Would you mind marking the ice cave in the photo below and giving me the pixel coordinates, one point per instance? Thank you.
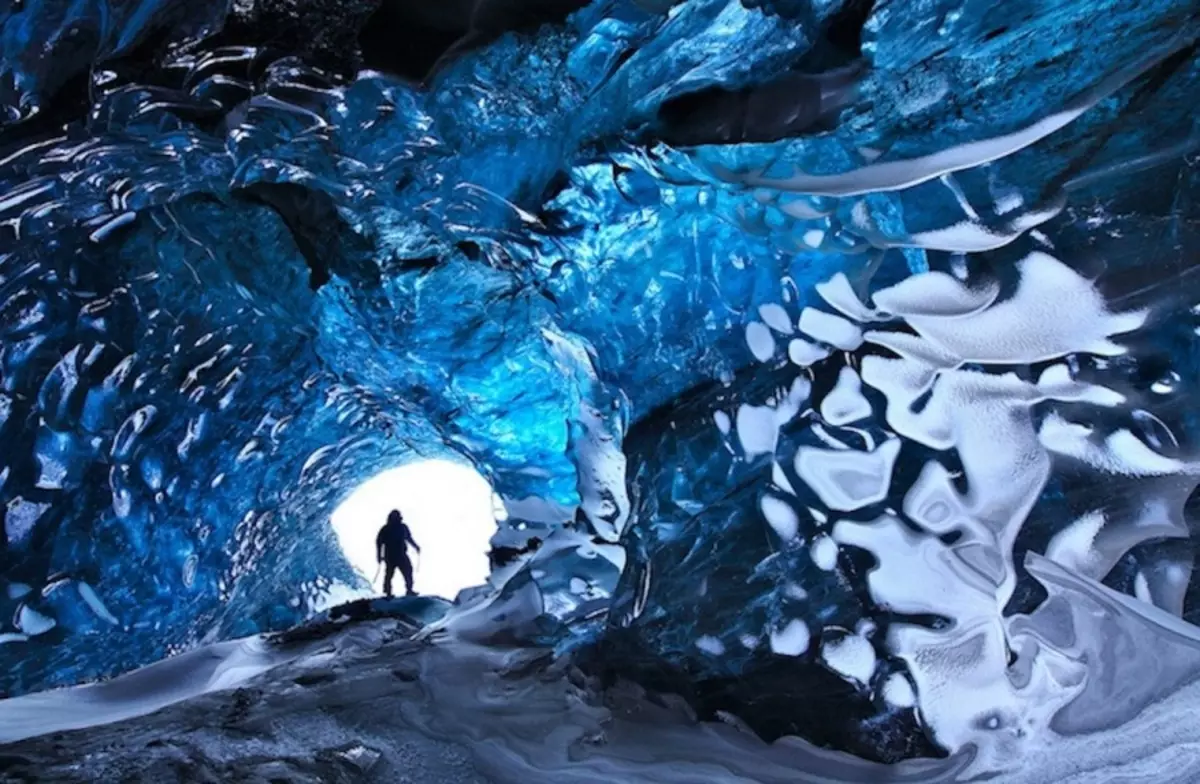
(453, 514)
(778, 390)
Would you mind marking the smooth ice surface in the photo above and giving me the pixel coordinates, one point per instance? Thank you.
(848, 479)
(221, 666)
(791, 640)
(851, 656)
(831, 329)
(845, 403)
(761, 343)
(824, 553)
(781, 517)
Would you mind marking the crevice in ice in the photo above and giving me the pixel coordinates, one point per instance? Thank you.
(896, 175)
(788, 106)
(406, 38)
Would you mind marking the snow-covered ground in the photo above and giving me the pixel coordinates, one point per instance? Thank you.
(363, 701)
(213, 668)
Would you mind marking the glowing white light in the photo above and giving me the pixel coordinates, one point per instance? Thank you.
(450, 510)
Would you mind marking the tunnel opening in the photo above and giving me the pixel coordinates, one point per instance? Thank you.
(451, 510)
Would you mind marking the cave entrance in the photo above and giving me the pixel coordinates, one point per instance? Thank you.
(451, 511)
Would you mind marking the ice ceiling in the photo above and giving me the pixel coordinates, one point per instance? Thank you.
(839, 352)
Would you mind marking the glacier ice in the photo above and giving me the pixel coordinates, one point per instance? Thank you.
(821, 427)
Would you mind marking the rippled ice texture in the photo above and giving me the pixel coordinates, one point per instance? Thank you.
(880, 434)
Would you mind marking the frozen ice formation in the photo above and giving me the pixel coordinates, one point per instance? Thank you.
(871, 396)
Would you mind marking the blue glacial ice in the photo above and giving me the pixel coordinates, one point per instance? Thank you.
(828, 417)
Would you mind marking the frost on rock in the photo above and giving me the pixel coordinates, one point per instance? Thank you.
(871, 396)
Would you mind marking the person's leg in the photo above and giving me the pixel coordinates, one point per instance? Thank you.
(389, 570)
(406, 570)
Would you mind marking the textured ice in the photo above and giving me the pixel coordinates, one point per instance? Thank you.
(845, 402)
(851, 656)
(830, 329)
(781, 517)
(805, 353)
(760, 340)
(848, 479)
(791, 640)
(824, 553)
(878, 432)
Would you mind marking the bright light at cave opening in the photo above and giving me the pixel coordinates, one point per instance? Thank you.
(449, 507)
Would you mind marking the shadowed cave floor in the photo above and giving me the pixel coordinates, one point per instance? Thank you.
(359, 700)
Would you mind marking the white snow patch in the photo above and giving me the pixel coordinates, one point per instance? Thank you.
(935, 294)
(838, 292)
(898, 691)
(757, 429)
(831, 329)
(803, 353)
(974, 237)
(1141, 588)
(32, 622)
(845, 403)
(711, 645)
(1121, 453)
(932, 501)
(1072, 547)
(791, 640)
(846, 480)
(824, 553)
(758, 426)
(760, 341)
(781, 517)
(852, 657)
(776, 318)
(780, 479)
(983, 328)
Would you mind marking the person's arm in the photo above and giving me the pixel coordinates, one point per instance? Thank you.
(379, 546)
(413, 542)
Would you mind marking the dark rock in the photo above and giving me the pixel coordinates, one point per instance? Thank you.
(314, 677)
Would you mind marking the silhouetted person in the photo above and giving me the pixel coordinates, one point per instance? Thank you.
(392, 548)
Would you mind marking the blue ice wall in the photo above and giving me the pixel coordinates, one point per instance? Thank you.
(44, 46)
(236, 286)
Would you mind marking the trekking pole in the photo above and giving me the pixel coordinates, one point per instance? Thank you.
(378, 566)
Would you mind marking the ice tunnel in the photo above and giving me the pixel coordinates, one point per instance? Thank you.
(451, 511)
(828, 364)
